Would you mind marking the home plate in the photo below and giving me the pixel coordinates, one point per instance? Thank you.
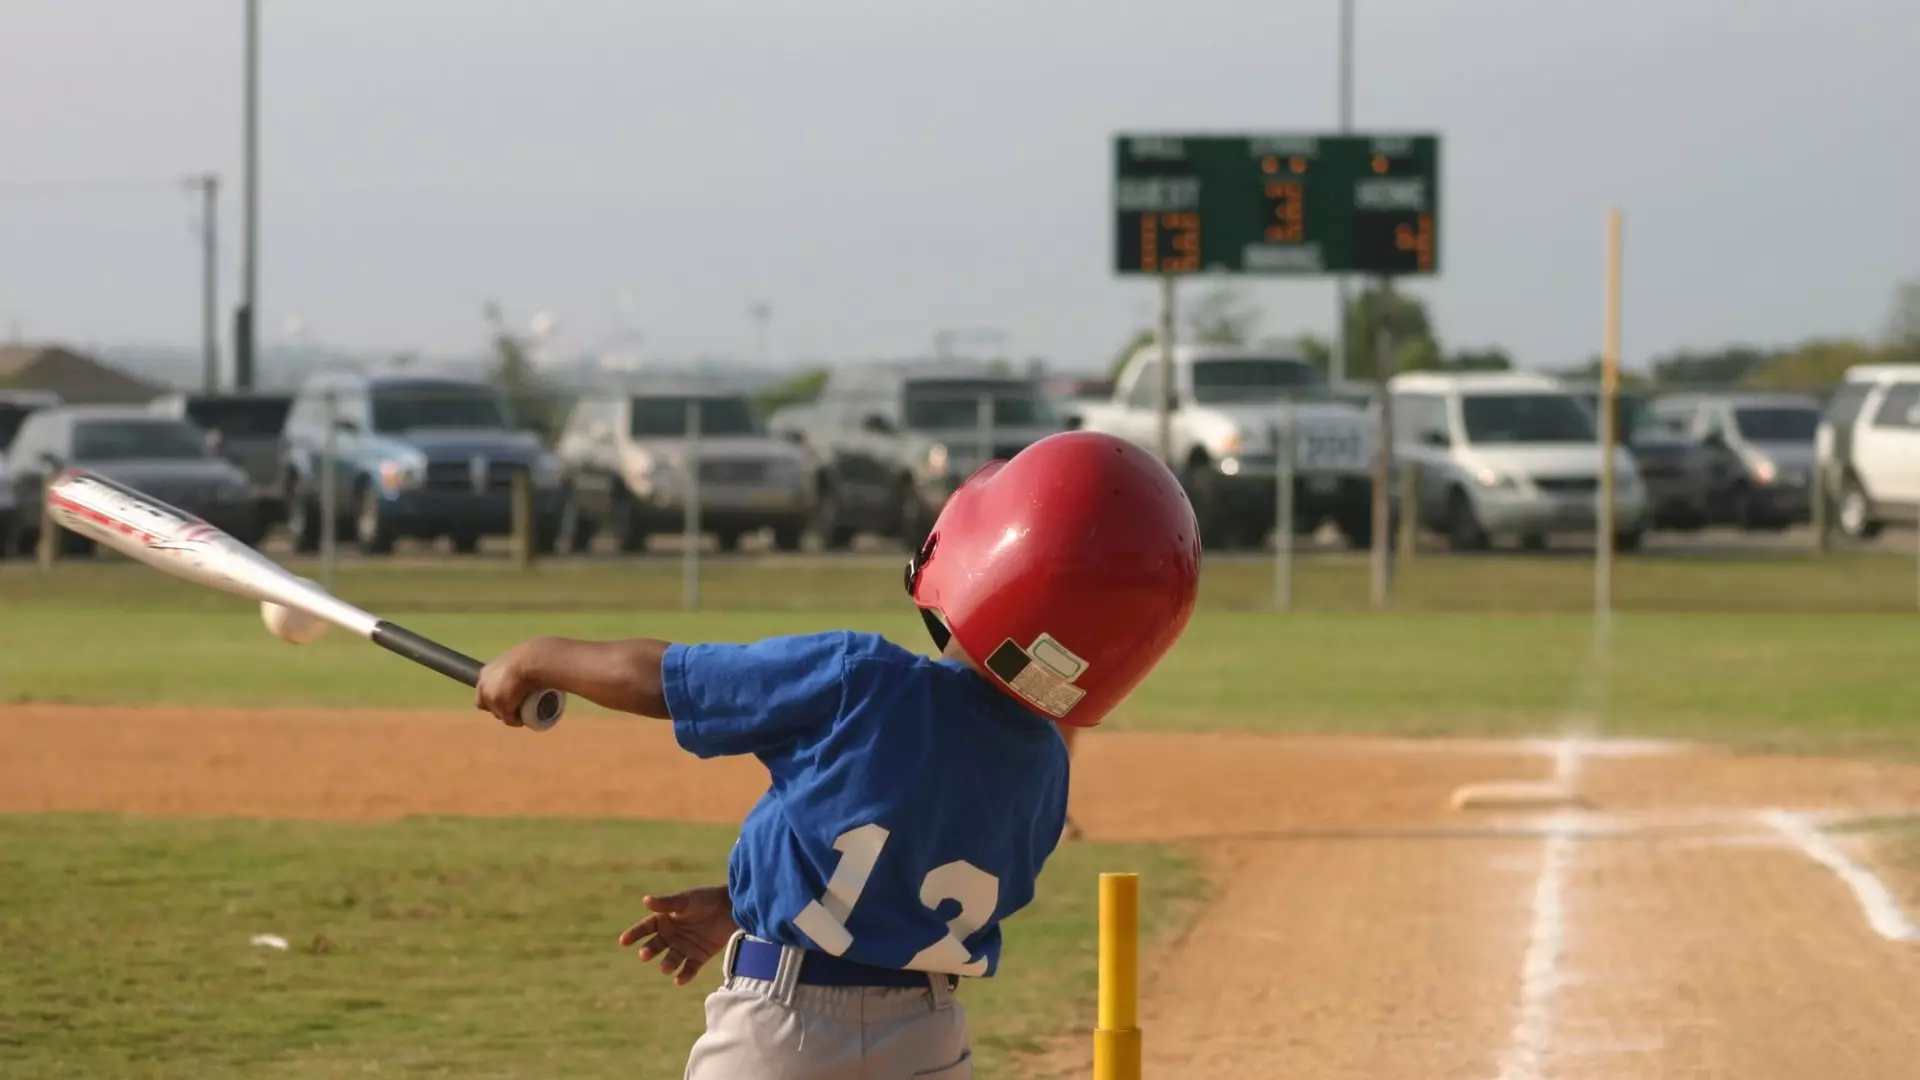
(1516, 794)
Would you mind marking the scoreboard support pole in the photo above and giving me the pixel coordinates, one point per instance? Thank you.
(1163, 405)
(1383, 449)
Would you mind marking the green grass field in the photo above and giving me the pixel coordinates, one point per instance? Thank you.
(484, 948)
(427, 947)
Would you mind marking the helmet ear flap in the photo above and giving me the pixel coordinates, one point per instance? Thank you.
(916, 563)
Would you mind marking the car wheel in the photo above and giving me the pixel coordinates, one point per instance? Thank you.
(1629, 541)
(1856, 512)
(1463, 527)
(624, 519)
(1533, 542)
(574, 533)
(1357, 528)
(729, 539)
(303, 520)
(1216, 532)
(465, 543)
(370, 529)
(834, 534)
(787, 535)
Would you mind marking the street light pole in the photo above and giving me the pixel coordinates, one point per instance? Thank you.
(209, 187)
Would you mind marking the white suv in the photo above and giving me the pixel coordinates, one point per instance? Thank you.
(1868, 448)
(1508, 454)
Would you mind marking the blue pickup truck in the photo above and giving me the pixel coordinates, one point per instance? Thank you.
(415, 455)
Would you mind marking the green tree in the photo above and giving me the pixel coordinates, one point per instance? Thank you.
(1713, 368)
(1815, 366)
(795, 389)
(515, 376)
(1406, 317)
(1903, 324)
(1485, 358)
(1138, 341)
(1222, 316)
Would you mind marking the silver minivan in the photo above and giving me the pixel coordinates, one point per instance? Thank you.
(1508, 454)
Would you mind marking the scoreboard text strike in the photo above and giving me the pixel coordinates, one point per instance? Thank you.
(1277, 204)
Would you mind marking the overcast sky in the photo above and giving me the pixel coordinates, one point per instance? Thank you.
(878, 171)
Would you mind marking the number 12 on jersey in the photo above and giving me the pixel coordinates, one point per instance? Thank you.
(978, 892)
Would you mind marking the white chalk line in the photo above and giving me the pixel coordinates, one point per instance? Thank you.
(1546, 938)
(1876, 900)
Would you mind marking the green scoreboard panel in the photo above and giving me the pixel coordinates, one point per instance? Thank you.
(1276, 204)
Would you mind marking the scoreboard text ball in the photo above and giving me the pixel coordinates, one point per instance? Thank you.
(1276, 204)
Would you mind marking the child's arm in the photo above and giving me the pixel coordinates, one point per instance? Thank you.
(619, 675)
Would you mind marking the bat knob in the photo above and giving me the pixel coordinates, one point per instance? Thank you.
(542, 709)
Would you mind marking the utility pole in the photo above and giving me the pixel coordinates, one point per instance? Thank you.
(209, 188)
(1339, 372)
(245, 317)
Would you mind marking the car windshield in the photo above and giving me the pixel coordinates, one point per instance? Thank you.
(1525, 418)
(401, 407)
(240, 418)
(666, 417)
(954, 404)
(11, 417)
(138, 440)
(1777, 423)
(1252, 378)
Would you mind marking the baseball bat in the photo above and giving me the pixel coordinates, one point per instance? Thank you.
(175, 542)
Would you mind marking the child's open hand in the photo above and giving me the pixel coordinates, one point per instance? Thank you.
(686, 930)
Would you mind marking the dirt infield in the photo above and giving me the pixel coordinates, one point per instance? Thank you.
(1692, 921)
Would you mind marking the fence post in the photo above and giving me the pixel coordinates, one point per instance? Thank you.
(523, 527)
(690, 492)
(330, 492)
(1283, 443)
(1821, 511)
(47, 550)
(1409, 531)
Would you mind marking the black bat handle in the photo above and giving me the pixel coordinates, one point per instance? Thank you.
(540, 711)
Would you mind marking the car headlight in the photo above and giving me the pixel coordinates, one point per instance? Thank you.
(403, 473)
(1488, 477)
(546, 471)
(646, 473)
(1764, 471)
(1232, 444)
(937, 460)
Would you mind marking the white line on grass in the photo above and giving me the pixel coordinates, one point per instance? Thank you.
(1546, 939)
(1882, 910)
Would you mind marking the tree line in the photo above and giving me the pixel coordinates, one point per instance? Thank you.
(1223, 315)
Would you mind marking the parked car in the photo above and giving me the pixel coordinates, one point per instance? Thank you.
(415, 455)
(1225, 412)
(245, 429)
(1759, 452)
(1509, 455)
(15, 407)
(625, 458)
(888, 442)
(165, 458)
(1675, 471)
(1867, 447)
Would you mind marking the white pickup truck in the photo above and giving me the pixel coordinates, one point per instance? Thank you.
(1227, 405)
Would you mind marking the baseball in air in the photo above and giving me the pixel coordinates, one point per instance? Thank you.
(290, 626)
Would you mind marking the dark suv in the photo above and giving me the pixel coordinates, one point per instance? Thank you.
(243, 428)
(415, 455)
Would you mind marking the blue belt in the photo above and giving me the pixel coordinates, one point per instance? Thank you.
(754, 959)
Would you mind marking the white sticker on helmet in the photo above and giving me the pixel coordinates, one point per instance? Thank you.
(1042, 675)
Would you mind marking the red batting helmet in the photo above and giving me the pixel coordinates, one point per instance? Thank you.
(1065, 573)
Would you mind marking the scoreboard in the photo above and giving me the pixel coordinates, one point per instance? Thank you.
(1297, 205)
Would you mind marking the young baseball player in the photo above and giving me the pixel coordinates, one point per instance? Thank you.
(913, 801)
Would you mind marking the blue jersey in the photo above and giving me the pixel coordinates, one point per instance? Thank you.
(912, 802)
